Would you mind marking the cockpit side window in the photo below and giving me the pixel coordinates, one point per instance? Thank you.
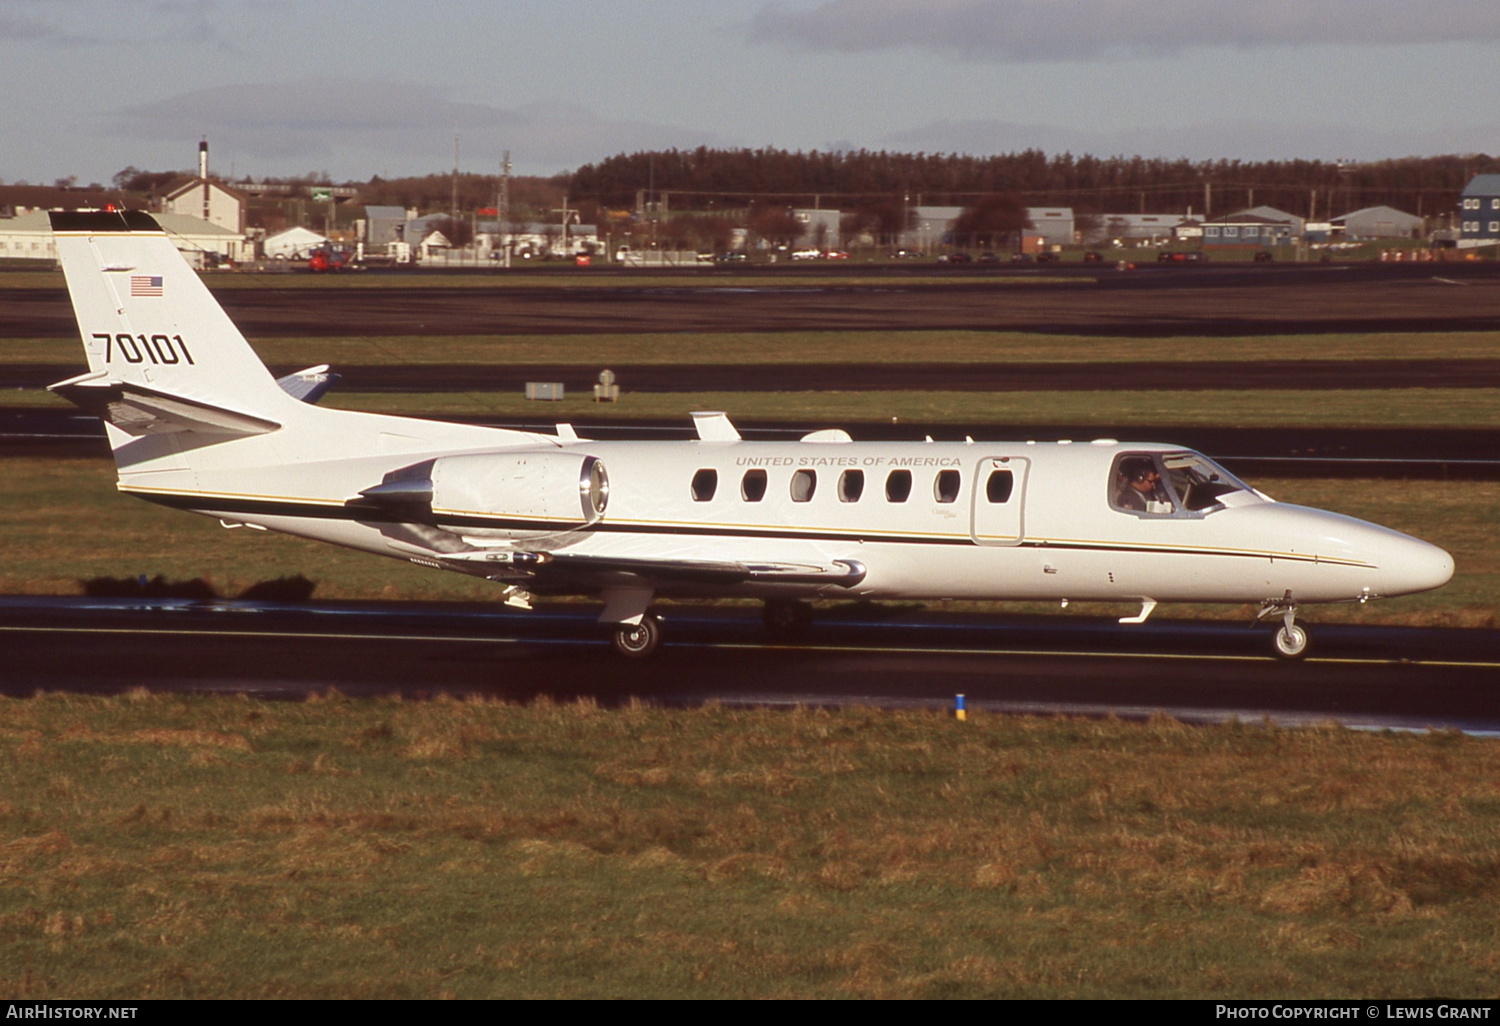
(1136, 486)
(1170, 484)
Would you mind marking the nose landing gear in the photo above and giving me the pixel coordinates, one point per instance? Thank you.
(1291, 638)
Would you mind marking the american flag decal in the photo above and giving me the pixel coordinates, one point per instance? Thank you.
(145, 284)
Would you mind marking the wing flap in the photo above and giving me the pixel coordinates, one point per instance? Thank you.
(545, 567)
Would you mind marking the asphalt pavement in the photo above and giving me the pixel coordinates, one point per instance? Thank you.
(1369, 677)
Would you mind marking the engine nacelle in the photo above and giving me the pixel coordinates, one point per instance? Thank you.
(538, 490)
(535, 491)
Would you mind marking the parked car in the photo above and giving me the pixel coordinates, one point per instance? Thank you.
(1048, 258)
(1182, 257)
(1093, 256)
(956, 258)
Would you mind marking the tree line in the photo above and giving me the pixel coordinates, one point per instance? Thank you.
(704, 179)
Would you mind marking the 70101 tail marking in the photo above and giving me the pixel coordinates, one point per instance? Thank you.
(158, 349)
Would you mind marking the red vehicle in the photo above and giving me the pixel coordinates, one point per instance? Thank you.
(326, 258)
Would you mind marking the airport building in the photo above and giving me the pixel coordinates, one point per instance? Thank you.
(1275, 215)
(422, 237)
(933, 227)
(207, 200)
(383, 225)
(1153, 228)
(29, 236)
(1378, 223)
(1238, 231)
(292, 244)
(1479, 212)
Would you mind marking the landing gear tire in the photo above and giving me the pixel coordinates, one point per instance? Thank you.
(638, 640)
(1290, 641)
(785, 619)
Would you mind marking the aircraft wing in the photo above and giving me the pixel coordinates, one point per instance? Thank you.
(544, 569)
(142, 410)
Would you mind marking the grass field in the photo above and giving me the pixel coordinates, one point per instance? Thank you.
(1116, 411)
(213, 847)
(1113, 412)
(797, 347)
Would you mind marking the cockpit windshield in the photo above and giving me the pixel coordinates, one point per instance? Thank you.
(1167, 484)
(1199, 481)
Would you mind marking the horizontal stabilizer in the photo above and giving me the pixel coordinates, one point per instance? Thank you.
(141, 410)
(309, 385)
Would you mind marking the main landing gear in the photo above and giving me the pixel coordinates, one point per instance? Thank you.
(638, 640)
(1290, 639)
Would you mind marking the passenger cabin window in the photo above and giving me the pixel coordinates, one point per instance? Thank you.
(945, 488)
(753, 485)
(999, 486)
(705, 483)
(898, 486)
(851, 485)
(804, 483)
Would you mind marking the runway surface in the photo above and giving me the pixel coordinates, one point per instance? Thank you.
(1140, 376)
(1404, 678)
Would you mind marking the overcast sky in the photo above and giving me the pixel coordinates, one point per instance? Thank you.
(382, 87)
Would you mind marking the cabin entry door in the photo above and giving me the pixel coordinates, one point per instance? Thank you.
(998, 512)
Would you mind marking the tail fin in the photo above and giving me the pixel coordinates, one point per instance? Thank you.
(154, 334)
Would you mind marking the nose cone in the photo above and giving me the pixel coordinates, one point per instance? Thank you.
(1372, 561)
(1409, 564)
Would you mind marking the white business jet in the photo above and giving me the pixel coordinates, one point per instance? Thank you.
(196, 422)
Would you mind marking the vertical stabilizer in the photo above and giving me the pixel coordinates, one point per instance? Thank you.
(148, 321)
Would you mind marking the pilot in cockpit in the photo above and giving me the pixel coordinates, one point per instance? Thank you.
(1140, 487)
